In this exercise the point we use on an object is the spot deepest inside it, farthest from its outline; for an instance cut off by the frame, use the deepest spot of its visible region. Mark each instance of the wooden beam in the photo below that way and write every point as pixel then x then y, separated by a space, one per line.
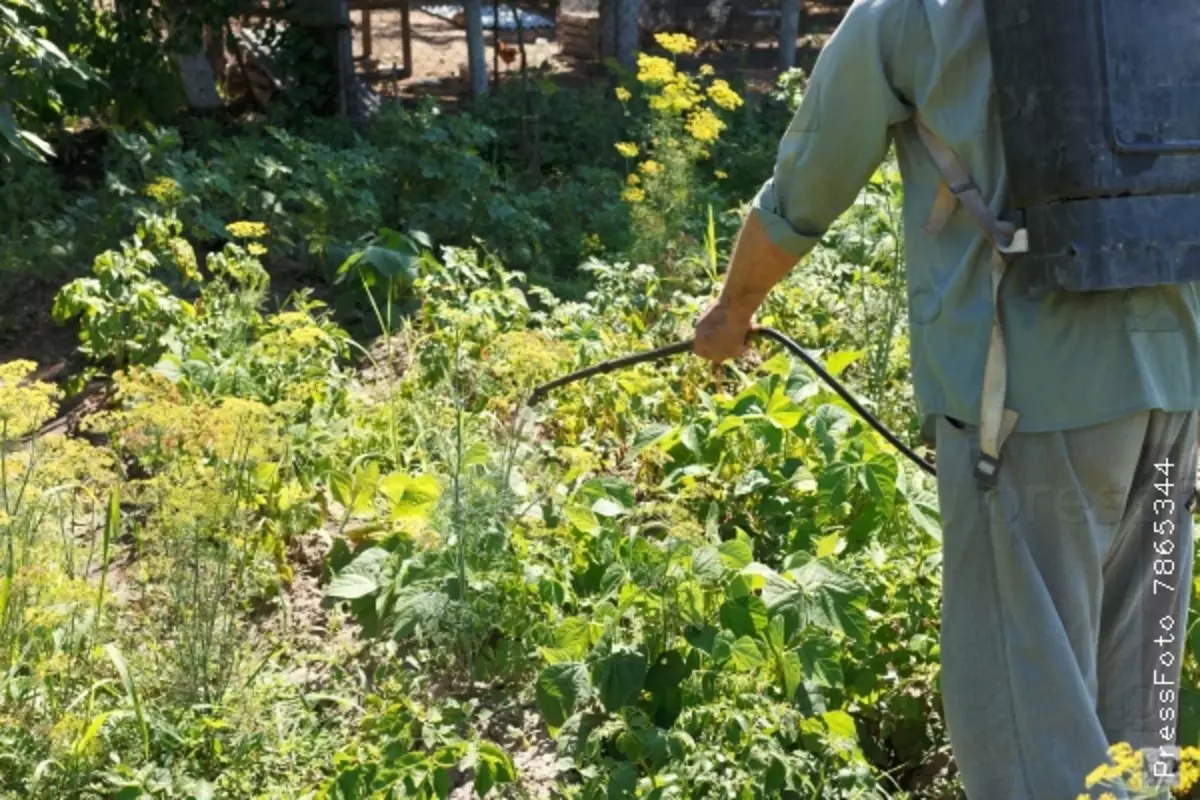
pixel 789 31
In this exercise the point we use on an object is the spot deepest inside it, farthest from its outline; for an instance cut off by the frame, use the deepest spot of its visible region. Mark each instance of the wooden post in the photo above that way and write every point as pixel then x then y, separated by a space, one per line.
pixel 608 29
pixel 628 30
pixel 789 31
pixel 366 33
pixel 476 51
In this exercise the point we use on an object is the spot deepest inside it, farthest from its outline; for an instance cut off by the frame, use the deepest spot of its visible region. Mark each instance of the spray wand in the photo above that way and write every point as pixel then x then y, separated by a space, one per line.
pixel 540 392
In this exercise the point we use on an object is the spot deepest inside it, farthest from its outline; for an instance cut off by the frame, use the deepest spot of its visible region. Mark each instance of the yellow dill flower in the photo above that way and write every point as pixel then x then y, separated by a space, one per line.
pixel 164 190
pixel 651 167
pixel 633 179
pixel 185 258
pixel 623 94
pixel 24 404
pixel 676 43
pixel 705 126
pixel 634 194
pixel 723 95
pixel 256 249
pixel 247 230
pixel 654 70
pixel 627 149
pixel 721 174
pixel 707 70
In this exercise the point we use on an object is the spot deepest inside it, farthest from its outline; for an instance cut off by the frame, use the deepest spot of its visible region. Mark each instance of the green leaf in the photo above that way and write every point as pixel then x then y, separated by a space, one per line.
pixel 572 638
pixel 744 616
pixel 606 507
pixel 736 554
pixel 840 725
pixel 410 497
pixel 879 475
pixel 418 609
pixel 351 587
pixel 647 437
pixel 836 364
pixel 619 679
pixel 819 659
pixel 828 545
pixel 560 689
pixel 793 672
pixel 750 481
pixel 493 767
pixel 583 518
pixel 817 595
pixel 746 655
pixel 691 440
pixel 707 566
pixel 782 412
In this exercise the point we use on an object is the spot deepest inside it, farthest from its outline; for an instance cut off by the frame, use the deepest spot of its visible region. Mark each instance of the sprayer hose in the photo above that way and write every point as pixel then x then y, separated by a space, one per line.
pixel 770 333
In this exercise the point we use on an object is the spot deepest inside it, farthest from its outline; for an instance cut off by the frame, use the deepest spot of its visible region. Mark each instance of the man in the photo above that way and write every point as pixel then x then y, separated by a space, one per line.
pixel 1051 610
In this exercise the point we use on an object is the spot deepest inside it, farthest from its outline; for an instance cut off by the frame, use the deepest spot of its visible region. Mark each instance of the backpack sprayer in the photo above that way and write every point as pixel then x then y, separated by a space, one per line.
pixel 661 353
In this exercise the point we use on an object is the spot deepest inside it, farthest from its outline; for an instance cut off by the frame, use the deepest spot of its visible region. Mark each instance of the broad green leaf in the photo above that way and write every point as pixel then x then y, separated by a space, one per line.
pixel 926 517
pixel 840 725
pixel 744 616
pixel 606 507
pixel 879 477
pixel 819 658
pixel 351 587
pixel 779 364
pixel 707 566
pixel 782 412
pixel 793 672
pixel 493 767
pixel 583 518
pixel 418 609
pixel 747 655
pixel 836 364
pixel 608 487
pixel 750 481
pixel 410 497
pixel 619 679
pixel 573 635
pixel 729 424
pixel 647 437
pixel 736 554
pixel 691 440
pixel 817 595
pixel 560 689
pixel 828 545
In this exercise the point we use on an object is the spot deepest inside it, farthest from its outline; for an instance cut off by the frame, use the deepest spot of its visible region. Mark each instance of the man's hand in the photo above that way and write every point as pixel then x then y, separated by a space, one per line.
pixel 721 333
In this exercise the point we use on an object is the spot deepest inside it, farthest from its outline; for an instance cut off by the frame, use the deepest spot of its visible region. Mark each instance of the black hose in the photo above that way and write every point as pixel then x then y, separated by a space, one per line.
pixel 660 353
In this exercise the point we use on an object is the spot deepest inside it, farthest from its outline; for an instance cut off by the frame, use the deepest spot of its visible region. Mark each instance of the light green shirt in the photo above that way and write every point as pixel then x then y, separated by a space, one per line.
pixel 1073 360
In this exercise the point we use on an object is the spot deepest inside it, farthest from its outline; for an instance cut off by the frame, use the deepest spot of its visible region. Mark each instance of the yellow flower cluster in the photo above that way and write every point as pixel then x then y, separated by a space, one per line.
pixel 633 179
pixel 677 96
pixel 623 94
pixel 677 43
pixel 705 126
pixel 627 149
pixel 651 167
pixel 1127 771
pixel 723 95
pixel 164 190
pixel 255 249
pixel 185 258
pixel 654 70
pixel 633 194
pixel 24 404
pixel 707 71
pixel 247 230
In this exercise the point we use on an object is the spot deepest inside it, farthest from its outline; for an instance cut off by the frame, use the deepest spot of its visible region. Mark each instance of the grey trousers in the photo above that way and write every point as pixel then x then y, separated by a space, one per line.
pixel 1065 600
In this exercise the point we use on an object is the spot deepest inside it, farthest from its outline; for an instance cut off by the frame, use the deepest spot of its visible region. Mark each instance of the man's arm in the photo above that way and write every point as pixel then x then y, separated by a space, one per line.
pixel 837 138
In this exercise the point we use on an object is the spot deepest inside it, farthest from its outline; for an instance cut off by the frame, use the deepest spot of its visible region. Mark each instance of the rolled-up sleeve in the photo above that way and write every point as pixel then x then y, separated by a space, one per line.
pixel 839 134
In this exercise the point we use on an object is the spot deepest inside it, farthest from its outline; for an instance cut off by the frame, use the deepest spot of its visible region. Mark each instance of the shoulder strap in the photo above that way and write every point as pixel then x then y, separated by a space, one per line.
pixel 996 421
